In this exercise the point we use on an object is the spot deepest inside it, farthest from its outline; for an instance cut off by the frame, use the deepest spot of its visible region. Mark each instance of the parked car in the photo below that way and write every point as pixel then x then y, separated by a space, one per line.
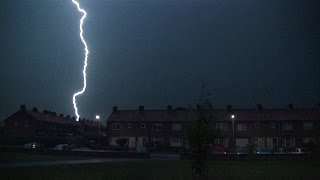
pixel 302 151
pixel 218 149
pixel 263 150
pixel 62 147
pixel 33 145
pixel 141 149
pixel 284 151
pixel 242 150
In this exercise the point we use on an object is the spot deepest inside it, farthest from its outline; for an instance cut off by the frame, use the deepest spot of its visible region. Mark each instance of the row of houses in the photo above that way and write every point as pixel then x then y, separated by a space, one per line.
pixel 50 128
pixel 261 127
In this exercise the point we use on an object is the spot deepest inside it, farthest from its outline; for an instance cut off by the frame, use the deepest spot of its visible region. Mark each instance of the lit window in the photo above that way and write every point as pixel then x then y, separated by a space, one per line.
pixel 307 126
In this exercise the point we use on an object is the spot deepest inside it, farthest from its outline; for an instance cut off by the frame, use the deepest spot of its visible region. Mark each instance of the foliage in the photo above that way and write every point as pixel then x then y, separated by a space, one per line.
pixel 201 134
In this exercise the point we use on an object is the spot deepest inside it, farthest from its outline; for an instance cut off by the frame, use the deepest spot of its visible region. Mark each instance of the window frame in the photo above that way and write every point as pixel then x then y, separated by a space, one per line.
pixel 257 125
pixel 223 127
pixel 286 126
pixel 174 127
pixel 143 125
pixel 309 128
pixel 272 125
pixel 243 127
pixel 158 127
pixel 116 126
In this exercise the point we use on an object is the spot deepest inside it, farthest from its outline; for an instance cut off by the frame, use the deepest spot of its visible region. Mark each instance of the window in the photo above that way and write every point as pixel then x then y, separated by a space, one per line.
pixel 157 140
pixel 288 142
pixel 287 126
pixel 271 125
pixel 116 126
pixel 221 126
pixel 241 126
pixel 176 141
pixel 113 141
pixel 309 140
pixel 176 127
pixel 129 125
pixel 307 126
pixel 143 125
pixel 256 125
pixel 157 127
pixel 217 141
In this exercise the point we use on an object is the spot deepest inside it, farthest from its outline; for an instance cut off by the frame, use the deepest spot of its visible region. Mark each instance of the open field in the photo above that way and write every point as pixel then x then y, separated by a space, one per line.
pixel 6 157
pixel 179 169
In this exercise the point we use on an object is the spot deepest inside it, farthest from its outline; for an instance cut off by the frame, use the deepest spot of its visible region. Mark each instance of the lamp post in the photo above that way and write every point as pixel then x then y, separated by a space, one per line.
pixel 98 118
pixel 233 141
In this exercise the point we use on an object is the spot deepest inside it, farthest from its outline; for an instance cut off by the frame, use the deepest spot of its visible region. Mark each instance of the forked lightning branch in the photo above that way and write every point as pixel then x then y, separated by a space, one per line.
pixel 84 14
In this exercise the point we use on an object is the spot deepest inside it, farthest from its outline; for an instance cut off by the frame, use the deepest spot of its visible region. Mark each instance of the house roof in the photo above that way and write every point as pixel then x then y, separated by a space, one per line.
pixel 2 123
pixel 220 115
pixel 90 123
pixel 51 117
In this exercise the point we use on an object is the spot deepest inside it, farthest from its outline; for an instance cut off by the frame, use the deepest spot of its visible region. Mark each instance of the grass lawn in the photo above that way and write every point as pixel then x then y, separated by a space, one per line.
pixel 6 157
pixel 176 170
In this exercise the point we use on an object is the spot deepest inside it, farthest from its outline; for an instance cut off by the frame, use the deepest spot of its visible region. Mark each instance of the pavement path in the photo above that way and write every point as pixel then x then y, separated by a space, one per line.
pixel 61 162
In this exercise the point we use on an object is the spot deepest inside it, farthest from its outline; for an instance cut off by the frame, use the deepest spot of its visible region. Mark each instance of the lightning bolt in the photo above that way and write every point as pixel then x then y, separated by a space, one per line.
pixel 85 59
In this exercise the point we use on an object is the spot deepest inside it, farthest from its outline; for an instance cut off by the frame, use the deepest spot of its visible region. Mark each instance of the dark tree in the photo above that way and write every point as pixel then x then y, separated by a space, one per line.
pixel 201 134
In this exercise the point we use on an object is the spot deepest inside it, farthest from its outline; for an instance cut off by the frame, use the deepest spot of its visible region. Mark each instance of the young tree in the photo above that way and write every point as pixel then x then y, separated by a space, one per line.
pixel 201 133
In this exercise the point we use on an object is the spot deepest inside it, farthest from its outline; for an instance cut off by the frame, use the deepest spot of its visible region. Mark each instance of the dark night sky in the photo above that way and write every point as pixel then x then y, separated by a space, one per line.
pixel 156 53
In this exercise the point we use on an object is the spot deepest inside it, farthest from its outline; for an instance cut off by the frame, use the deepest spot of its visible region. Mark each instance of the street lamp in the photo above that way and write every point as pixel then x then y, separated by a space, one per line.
pixel 234 145
pixel 98 118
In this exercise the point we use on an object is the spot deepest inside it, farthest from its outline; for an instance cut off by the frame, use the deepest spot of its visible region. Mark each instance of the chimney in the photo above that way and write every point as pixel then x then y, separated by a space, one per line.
pixel 229 107
pixel 290 106
pixel 115 109
pixel 61 115
pixel 259 106
pixel 45 111
pixel 141 108
pixel 68 116
pixel 169 108
pixel 23 107
pixel 34 109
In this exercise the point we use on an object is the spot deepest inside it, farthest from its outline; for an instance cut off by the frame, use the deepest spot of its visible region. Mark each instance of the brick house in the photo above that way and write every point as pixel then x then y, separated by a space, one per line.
pixel 272 128
pixel 94 132
pixel 25 126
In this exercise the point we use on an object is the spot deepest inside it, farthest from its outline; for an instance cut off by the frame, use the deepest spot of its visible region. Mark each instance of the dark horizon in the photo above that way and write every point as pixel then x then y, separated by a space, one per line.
pixel 159 53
